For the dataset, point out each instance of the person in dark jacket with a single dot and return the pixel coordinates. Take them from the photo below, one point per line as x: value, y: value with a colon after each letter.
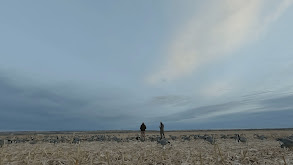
x: 162, y: 130
x: 142, y: 130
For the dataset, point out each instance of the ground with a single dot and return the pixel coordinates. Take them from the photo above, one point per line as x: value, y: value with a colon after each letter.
x: 114, y: 147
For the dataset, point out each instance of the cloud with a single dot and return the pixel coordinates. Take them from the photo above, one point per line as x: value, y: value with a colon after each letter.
x: 35, y: 108
x: 281, y: 8
x: 25, y: 107
x: 171, y: 100
x: 269, y: 119
x: 217, y: 89
x: 255, y: 102
x: 219, y: 29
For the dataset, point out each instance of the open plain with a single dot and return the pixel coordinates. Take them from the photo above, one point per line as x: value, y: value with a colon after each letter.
x: 125, y: 147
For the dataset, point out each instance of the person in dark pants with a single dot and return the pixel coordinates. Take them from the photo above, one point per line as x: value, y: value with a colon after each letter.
x: 162, y: 130
x: 142, y: 130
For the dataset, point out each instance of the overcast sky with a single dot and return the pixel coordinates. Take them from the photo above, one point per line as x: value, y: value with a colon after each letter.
x: 96, y: 65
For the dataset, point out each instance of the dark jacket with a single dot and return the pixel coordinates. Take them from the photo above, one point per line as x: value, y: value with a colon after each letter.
x: 161, y: 127
x: 142, y: 127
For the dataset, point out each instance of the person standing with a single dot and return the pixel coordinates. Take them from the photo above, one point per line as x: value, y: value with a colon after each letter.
x: 162, y: 130
x: 142, y: 130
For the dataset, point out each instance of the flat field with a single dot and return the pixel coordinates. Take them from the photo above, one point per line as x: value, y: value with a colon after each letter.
x: 124, y: 147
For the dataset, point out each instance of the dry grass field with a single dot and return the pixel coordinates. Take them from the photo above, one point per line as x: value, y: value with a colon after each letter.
x: 190, y: 147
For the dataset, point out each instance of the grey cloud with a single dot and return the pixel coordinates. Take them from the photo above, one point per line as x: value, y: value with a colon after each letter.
x: 265, y: 109
x: 171, y: 100
x: 270, y: 119
x: 283, y: 102
x: 257, y: 93
x: 194, y: 112
x: 54, y: 108
x: 34, y: 108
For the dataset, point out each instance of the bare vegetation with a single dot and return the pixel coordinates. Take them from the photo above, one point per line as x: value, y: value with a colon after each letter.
x: 184, y: 148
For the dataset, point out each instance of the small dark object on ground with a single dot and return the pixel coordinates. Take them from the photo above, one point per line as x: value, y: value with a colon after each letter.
x: 173, y: 137
x: 224, y: 136
x: 210, y: 139
x: 1, y: 143
x: 76, y: 140
x: 163, y: 141
x: 185, y: 137
x: 116, y: 139
x: 261, y: 137
x: 154, y: 138
x: 287, y: 143
x: 241, y: 139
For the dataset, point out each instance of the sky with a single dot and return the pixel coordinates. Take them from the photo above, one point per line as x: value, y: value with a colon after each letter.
x: 111, y: 65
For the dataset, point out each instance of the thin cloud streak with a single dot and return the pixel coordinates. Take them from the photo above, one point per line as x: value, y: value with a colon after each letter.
x: 216, y: 33
x: 208, y: 113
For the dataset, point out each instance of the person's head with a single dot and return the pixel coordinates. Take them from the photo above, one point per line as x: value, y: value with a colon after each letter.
x: 161, y: 123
